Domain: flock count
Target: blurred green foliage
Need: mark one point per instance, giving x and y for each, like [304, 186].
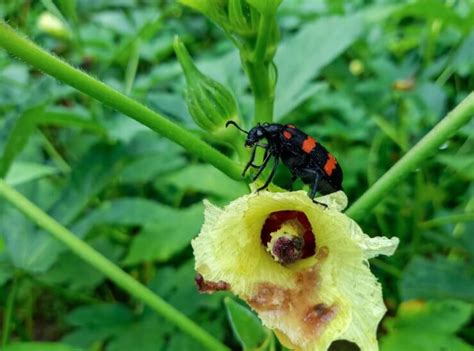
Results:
[367, 78]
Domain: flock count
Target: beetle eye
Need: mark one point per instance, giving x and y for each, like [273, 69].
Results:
[259, 133]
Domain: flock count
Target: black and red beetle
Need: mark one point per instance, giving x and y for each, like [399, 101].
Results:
[302, 155]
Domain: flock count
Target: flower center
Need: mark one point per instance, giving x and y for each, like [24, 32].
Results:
[288, 236]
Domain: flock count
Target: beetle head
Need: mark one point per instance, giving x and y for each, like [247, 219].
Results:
[255, 135]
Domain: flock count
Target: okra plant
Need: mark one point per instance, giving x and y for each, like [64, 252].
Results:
[301, 266]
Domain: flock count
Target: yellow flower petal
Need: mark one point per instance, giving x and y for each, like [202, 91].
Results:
[314, 301]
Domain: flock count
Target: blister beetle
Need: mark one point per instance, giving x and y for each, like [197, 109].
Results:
[304, 157]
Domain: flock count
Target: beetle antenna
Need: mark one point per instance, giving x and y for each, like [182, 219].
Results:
[236, 125]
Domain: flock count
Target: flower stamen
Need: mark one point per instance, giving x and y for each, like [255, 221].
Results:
[288, 236]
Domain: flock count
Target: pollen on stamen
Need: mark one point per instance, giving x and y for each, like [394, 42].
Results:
[288, 236]
[287, 249]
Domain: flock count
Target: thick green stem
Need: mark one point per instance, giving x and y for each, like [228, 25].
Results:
[264, 30]
[264, 109]
[258, 67]
[7, 317]
[30, 53]
[414, 158]
[262, 90]
[109, 269]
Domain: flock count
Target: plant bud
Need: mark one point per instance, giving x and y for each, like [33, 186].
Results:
[213, 9]
[242, 18]
[266, 7]
[210, 104]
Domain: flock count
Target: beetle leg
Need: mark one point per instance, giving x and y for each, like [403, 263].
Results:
[250, 163]
[264, 164]
[314, 189]
[272, 174]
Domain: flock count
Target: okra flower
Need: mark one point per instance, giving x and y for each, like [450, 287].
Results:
[302, 267]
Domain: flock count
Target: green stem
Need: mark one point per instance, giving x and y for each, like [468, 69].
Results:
[264, 30]
[262, 91]
[258, 67]
[7, 317]
[263, 109]
[55, 155]
[102, 264]
[32, 54]
[414, 158]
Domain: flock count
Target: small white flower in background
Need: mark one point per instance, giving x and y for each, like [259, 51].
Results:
[302, 267]
[52, 25]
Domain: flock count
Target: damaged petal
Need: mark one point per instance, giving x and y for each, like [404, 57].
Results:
[318, 315]
[205, 286]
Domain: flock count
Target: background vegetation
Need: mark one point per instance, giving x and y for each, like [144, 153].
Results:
[373, 78]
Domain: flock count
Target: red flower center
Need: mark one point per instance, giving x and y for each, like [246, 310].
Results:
[275, 221]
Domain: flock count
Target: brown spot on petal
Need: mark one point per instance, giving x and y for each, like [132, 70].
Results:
[270, 297]
[319, 315]
[299, 307]
[206, 286]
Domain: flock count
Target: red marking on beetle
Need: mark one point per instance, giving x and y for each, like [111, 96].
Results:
[330, 165]
[287, 134]
[308, 145]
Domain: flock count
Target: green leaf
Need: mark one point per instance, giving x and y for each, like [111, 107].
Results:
[27, 248]
[145, 335]
[23, 172]
[62, 117]
[94, 172]
[15, 136]
[126, 211]
[73, 272]
[160, 240]
[148, 168]
[439, 278]
[301, 58]
[97, 323]
[462, 59]
[460, 163]
[35, 250]
[434, 10]
[39, 346]
[427, 326]
[205, 179]
[246, 326]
